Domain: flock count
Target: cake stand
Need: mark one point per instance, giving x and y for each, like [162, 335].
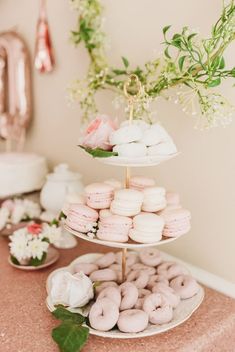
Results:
[186, 308]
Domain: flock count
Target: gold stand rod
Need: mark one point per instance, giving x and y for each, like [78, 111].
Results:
[124, 251]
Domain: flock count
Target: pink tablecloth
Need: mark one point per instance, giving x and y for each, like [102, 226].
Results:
[26, 324]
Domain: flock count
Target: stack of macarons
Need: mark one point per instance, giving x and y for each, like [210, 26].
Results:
[127, 202]
[82, 218]
[114, 228]
[147, 228]
[154, 199]
[177, 222]
[139, 139]
[99, 195]
[139, 183]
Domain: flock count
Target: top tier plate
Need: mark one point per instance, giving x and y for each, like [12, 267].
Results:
[136, 162]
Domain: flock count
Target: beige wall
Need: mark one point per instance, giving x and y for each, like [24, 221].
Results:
[204, 173]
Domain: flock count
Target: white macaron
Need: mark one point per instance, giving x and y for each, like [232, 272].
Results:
[126, 134]
[164, 148]
[127, 202]
[131, 150]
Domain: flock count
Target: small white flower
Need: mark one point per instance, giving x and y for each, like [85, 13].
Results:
[19, 245]
[53, 233]
[17, 213]
[4, 216]
[37, 247]
[90, 234]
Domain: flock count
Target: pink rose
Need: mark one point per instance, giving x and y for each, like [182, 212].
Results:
[98, 132]
[34, 229]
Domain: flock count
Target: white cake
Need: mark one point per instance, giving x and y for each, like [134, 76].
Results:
[21, 173]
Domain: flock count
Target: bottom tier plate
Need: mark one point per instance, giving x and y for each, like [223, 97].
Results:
[182, 313]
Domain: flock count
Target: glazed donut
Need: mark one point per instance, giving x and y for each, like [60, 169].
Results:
[154, 279]
[158, 308]
[139, 278]
[129, 295]
[150, 256]
[142, 294]
[105, 284]
[185, 286]
[172, 297]
[86, 268]
[103, 315]
[171, 270]
[132, 320]
[148, 269]
[112, 293]
[106, 260]
[104, 275]
[131, 258]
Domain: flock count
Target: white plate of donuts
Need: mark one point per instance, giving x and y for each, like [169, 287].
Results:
[136, 161]
[156, 296]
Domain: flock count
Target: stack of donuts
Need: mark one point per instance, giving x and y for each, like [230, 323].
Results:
[143, 213]
[152, 290]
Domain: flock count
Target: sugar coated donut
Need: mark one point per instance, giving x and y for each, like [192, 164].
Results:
[139, 278]
[103, 314]
[150, 270]
[132, 320]
[150, 256]
[129, 295]
[185, 286]
[105, 284]
[112, 293]
[131, 258]
[106, 260]
[104, 275]
[154, 279]
[86, 268]
[158, 308]
[172, 297]
[171, 270]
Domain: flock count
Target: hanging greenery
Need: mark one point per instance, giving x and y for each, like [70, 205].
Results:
[192, 64]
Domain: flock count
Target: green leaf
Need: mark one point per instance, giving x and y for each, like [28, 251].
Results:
[191, 36]
[165, 29]
[119, 72]
[125, 62]
[181, 62]
[166, 52]
[70, 337]
[222, 63]
[14, 260]
[98, 152]
[62, 313]
[214, 83]
[36, 261]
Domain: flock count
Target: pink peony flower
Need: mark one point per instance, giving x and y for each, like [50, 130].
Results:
[34, 229]
[98, 132]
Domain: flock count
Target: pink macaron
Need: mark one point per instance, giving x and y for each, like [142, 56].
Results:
[99, 195]
[141, 182]
[177, 222]
[114, 228]
[81, 218]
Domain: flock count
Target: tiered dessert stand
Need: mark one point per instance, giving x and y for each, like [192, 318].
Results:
[185, 308]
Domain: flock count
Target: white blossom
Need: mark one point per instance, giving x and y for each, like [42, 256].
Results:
[52, 233]
[4, 217]
[37, 247]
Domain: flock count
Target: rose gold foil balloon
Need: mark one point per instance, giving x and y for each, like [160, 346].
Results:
[15, 87]
[44, 59]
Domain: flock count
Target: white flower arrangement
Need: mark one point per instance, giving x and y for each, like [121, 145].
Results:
[13, 211]
[29, 245]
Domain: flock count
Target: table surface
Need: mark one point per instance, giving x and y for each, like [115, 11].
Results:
[26, 324]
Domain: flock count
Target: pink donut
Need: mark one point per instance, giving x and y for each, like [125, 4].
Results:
[129, 295]
[150, 256]
[172, 297]
[139, 278]
[103, 275]
[106, 260]
[103, 314]
[105, 284]
[142, 294]
[154, 279]
[158, 309]
[131, 258]
[132, 320]
[112, 293]
[148, 269]
[185, 286]
[171, 270]
[86, 268]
